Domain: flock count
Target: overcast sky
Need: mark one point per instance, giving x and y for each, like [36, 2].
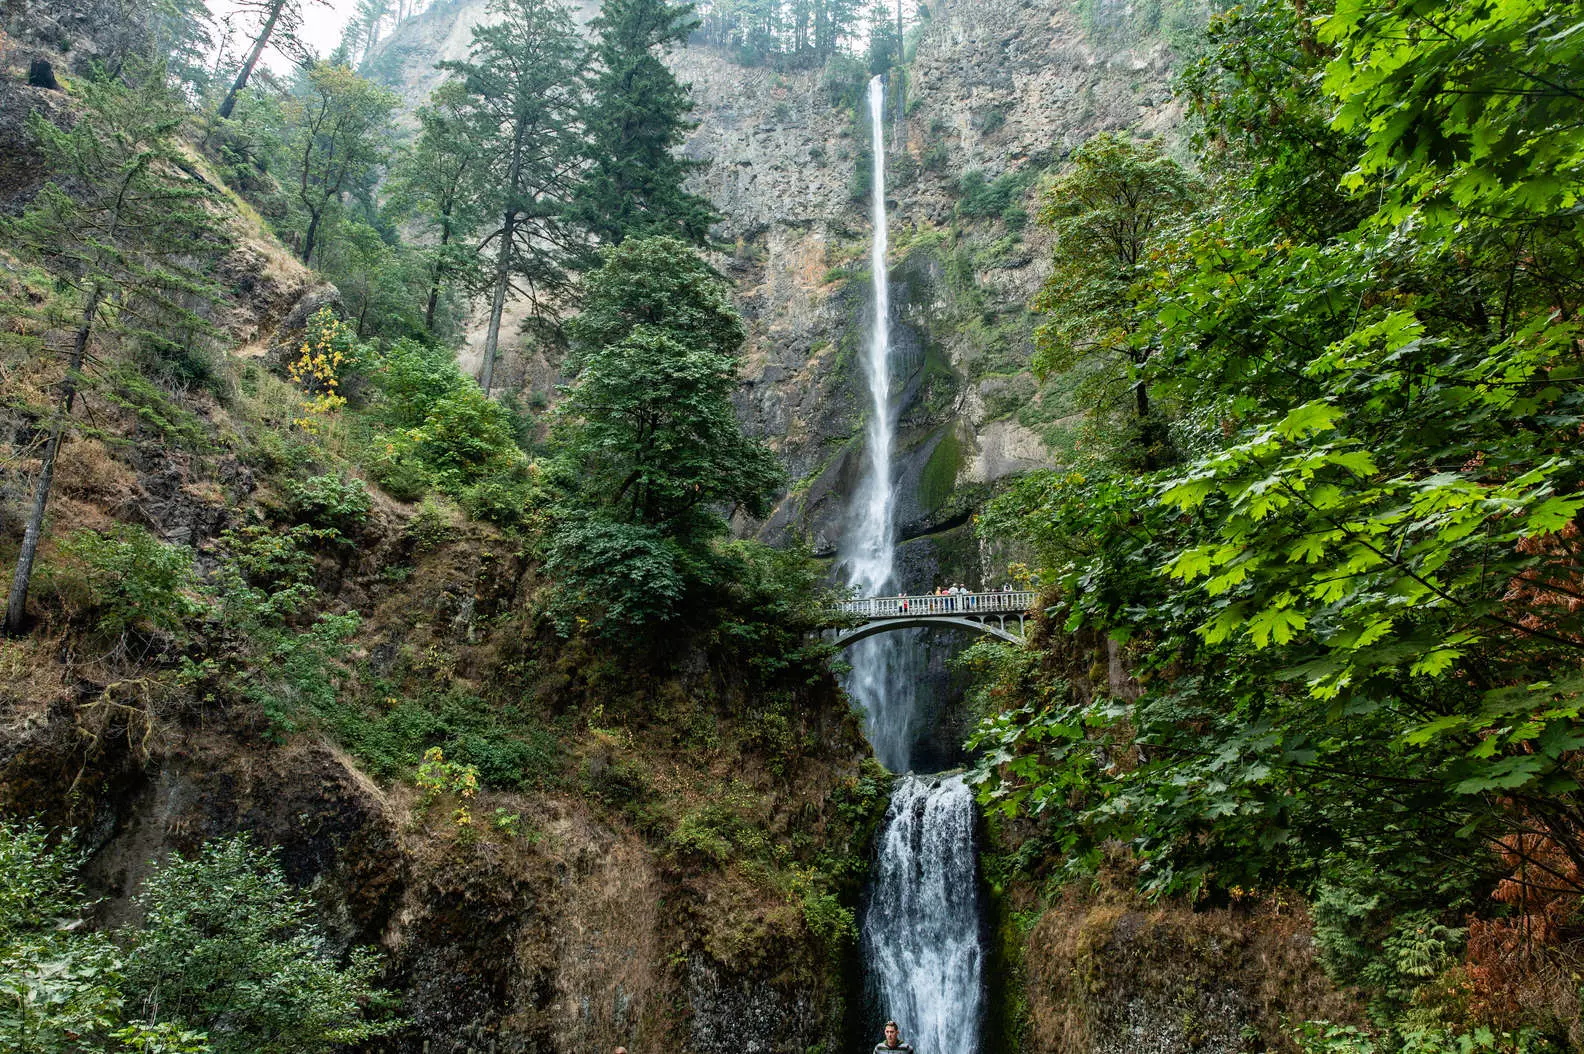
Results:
[322, 25]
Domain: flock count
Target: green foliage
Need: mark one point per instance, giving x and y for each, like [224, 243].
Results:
[128, 580]
[330, 502]
[443, 433]
[635, 119]
[264, 655]
[508, 746]
[228, 944]
[412, 377]
[1323, 1037]
[1107, 211]
[337, 132]
[649, 444]
[1351, 611]
[522, 80]
[135, 233]
[59, 986]
[984, 198]
[430, 526]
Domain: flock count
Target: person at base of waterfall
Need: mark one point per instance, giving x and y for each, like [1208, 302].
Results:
[892, 1044]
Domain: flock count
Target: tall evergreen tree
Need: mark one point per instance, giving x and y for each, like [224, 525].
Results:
[636, 117]
[278, 24]
[523, 77]
[132, 238]
[651, 452]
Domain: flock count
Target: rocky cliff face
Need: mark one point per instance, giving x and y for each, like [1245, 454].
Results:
[997, 90]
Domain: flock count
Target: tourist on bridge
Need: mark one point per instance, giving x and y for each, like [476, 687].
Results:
[892, 1044]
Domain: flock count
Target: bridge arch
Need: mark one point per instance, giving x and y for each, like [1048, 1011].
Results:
[992, 613]
[870, 629]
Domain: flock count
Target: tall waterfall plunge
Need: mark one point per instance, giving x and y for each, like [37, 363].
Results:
[883, 678]
[923, 950]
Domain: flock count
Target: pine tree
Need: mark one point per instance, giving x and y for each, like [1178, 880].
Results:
[637, 116]
[133, 239]
[279, 22]
[523, 78]
[651, 451]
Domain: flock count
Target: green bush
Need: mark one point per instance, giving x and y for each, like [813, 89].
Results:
[501, 498]
[465, 437]
[61, 990]
[984, 198]
[412, 377]
[430, 526]
[228, 945]
[510, 747]
[128, 580]
[331, 502]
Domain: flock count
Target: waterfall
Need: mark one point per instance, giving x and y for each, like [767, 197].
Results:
[921, 934]
[922, 947]
[882, 678]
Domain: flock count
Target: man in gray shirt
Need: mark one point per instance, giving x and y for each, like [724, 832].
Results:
[893, 1042]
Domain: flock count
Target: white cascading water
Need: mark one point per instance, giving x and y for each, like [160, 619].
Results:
[884, 690]
[921, 936]
[922, 946]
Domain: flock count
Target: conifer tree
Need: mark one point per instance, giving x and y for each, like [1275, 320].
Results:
[637, 116]
[132, 238]
[278, 24]
[523, 77]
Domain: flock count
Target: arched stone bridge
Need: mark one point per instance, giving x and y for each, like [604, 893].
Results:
[998, 614]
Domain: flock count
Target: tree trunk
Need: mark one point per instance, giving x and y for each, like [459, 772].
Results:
[434, 284]
[252, 60]
[311, 235]
[16, 604]
[503, 264]
[498, 301]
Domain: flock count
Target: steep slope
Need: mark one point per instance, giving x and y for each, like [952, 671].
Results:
[666, 849]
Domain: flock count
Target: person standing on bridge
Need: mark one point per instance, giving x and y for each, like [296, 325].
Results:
[892, 1044]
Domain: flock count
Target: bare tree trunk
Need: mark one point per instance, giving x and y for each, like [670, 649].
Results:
[16, 604]
[311, 235]
[434, 284]
[252, 60]
[498, 301]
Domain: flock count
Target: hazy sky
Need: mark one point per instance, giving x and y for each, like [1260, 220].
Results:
[322, 24]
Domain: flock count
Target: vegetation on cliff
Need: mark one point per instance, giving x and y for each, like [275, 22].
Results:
[1348, 601]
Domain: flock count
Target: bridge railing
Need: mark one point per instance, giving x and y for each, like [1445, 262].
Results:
[1013, 602]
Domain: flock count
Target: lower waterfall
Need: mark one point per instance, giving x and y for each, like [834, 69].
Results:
[921, 934]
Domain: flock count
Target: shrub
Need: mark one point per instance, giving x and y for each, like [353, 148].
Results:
[430, 526]
[328, 350]
[465, 437]
[60, 985]
[227, 944]
[331, 502]
[412, 377]
[130, 580]
[501, 498]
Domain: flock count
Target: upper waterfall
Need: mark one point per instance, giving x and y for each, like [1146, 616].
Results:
[872, 555]
[883, 678]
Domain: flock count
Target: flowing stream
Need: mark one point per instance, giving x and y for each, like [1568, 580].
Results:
[922, 943]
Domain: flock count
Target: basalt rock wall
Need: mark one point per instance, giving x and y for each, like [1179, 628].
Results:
[995, 90]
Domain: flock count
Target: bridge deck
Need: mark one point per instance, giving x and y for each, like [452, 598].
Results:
[1011, 603]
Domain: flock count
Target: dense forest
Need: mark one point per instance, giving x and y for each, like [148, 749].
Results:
[1311, 617]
